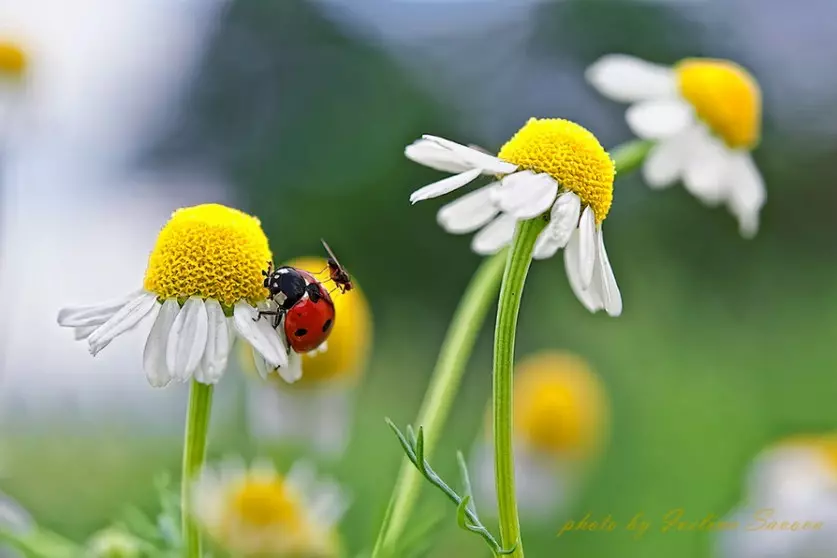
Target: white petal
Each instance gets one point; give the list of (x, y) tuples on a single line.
[(261, 366), (747, 193), (470, 212), (218, 341), (82, 333), (706, 169), (488, 163), (494, 236), (564, 217), (590, 298), (260, 334), (125, 319), (444, 186), (431, 154), (293, 370), (154, 355), (187, 339), (586, 246), (611, 297), (659, 119), (667, 159), (526, 195), (87, 316), (545, 246), (628, 79)]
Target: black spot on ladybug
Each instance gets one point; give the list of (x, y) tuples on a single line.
[(326, 325), (300, 332)]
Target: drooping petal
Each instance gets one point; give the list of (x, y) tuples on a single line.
[(564, 217), (217, 343), (470, 212), (431, 154), (125, 319), (747, 193), (82, 333), (444, 186), (187, 339), (706, 169), (525, 195), (94, 315), (545, 246), (629, 79), (656, 120), (260, 334), (494, 236), (666, 161), (590, 298), (488, 163), (261, 366), (154, 355), (586, 246), (611, 296), (293, 370)]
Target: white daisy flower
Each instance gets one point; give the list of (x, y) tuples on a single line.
[(317, 410), (560, 424), (14, 64), (704, 116), (202, 287), (259, 512), (790, 507), (550, 167)]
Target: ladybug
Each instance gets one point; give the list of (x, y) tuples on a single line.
[(304, 304), (337, 272)]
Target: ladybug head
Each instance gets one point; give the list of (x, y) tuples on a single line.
[(286, 286)]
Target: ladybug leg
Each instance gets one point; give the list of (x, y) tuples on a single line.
[(313, 291), (266, 313)]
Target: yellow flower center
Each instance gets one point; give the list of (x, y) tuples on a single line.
[(12, 59), (559, 405), (265, 502), (725, 96), (211, 251), (824, 446), (570, 154)]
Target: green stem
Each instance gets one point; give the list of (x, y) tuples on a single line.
[(444, 385), (507, 310), (194, 453), (630, 155)]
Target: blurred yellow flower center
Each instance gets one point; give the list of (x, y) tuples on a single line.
[(570, 154), (265, 502), (559, 406), (725, 96), (12, 59), (211, 251)]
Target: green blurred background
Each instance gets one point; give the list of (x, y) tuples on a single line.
[(724, 345)]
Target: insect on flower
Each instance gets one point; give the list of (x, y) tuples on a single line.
[(302, 303), (337, 273)]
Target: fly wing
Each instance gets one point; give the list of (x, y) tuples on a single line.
[(330, 253)]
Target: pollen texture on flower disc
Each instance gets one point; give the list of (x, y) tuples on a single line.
[(211, 251), (570, 154), (559, 404), (725, 96), (265, 502), (12, 59)]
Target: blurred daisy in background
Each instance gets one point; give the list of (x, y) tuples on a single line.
[(15, 519), (114, 543), (794, 481), (317, 410), (202, 287), (704, 116), (560, 425), (14, 64), (257, 511), (550, 167)]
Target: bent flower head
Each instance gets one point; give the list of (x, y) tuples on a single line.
[(258, 512), (552, 168), (203, 282), (704, 116)]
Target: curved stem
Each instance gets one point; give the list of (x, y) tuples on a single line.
[(444, 385), (507, 310), (194, 453)]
